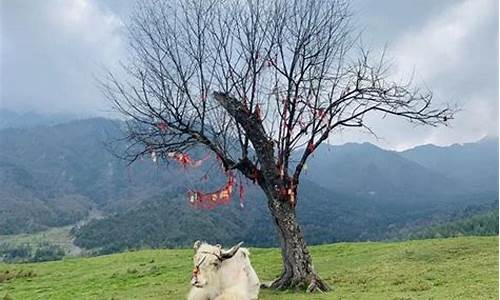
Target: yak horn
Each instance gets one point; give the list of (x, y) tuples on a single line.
[(196, 245), (231, 252)]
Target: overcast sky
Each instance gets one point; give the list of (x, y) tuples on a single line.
[(51, 50)]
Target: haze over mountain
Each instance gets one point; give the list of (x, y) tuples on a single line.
[(13, 119), (473, 165), (55, 175), (369, 171)]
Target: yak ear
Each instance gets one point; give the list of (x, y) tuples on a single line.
[(231, 252), (218, 246), (196, 245)]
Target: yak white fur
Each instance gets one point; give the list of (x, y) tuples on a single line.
[(232, 279)]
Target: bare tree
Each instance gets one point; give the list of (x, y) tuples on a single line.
[(255, 81)]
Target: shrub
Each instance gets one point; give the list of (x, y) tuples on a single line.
[(26, 253), (48, 252)]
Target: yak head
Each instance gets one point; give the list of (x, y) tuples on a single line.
[(207, 262)]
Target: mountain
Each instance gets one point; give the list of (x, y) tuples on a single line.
[(12, 119), (472, 165), (55, 175), (42, 166), (368, 171), (326, 216), (25, 205), (48, 172), (483, 224)]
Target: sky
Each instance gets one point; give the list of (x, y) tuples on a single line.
[(52, 51)]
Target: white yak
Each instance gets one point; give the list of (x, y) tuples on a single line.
[(222, 274)]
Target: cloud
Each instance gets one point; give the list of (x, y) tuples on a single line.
[(454, 53), (52, 49), (440, 45)]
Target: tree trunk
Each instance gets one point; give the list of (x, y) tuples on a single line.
[(298, 271)]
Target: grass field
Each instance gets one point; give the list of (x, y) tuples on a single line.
[(458, 268), (59, 236)]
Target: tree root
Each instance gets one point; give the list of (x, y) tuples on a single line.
[(312, 284), (317, 285)]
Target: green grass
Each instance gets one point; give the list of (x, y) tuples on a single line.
[(458, 268), (60, 236)]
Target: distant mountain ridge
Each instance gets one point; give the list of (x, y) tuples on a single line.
[(30, 119), (54, 175), (369, 171), (474, 165)]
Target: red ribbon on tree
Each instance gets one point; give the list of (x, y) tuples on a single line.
[(257, 111), (321, 113), (162, 126), (289, 194), (185, 159), (255, 175), (182, 158), (211, 200), (203, 96), (242, 193), (310, 146)]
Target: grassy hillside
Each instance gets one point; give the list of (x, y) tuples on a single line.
[(59, 236), (458, 268), (477, 225)]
